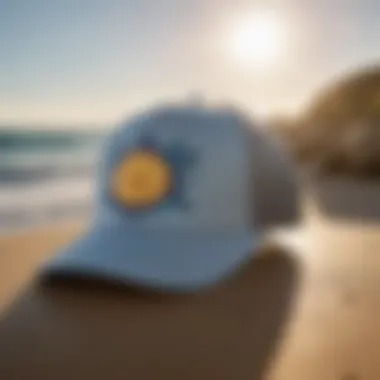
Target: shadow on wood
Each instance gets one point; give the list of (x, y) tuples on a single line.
[(87, 330)]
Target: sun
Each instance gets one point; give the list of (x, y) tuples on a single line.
[(257, 39)]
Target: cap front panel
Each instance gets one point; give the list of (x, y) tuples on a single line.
[(177, 169)]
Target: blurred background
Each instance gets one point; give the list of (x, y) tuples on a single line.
[(70, 70)]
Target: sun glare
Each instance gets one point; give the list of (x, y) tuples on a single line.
[(257, 39)]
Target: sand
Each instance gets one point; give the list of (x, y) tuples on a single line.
[(334, 332), (21, 252)]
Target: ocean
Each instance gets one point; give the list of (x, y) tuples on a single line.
[(46, 176)]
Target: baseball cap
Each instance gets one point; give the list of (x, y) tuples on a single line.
[(183, 196)]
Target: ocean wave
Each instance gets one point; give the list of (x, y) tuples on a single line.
[(46, 176), (50, 140), (15, 175), (13, 219), (27, 205)]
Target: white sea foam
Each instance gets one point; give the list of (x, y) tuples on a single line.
[(37, 187), (40, 203)]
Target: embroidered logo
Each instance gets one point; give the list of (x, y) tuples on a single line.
[(152, 175)]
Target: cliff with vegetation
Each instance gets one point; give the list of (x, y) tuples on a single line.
[(339, 134)]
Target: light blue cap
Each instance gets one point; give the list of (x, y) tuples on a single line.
[(176, 200)]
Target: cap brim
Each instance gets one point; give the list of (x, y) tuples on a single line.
[(163, 260)]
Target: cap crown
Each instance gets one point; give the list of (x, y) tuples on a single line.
[(178, 168)]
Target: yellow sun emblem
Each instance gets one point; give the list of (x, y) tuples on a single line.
[(142, 179)]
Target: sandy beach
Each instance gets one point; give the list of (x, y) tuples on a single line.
[(334, 328), (22, 251)]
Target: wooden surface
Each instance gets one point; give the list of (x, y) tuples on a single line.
[(81, 330), (309, 312)]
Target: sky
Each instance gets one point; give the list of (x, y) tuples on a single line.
[(94, 61)]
